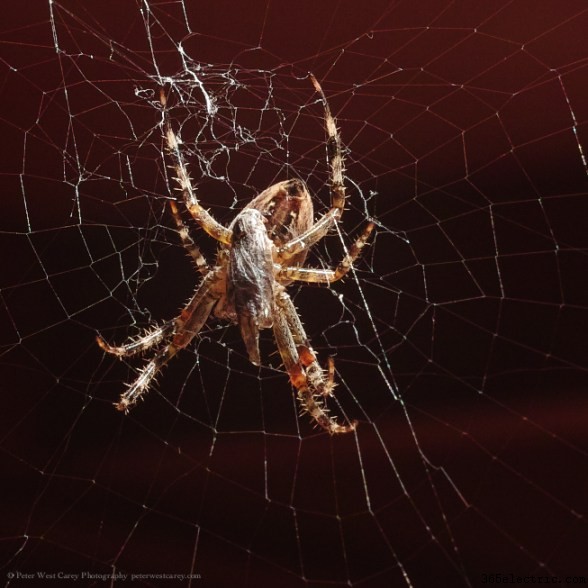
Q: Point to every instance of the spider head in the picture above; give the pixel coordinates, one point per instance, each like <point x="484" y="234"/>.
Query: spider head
<point x="287" y="209"/>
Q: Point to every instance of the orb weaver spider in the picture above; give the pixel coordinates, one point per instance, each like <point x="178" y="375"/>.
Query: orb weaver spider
<point x="261" y="252"/>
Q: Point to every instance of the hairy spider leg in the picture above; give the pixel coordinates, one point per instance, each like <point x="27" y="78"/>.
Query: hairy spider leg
<point x="185" y="327"/>
<point x="335" y="153"/>
<point x="150" y="338"/>
<point x="187" y="241"/>
<point x="328" y="276"/>
<point x="311" y="236"/>
<point x="200" y="215"/>
<point x="334" y="148"/>
<point x="307" y="357"/>
<point x="300" y="362"/>
<point x="336" y="162"/>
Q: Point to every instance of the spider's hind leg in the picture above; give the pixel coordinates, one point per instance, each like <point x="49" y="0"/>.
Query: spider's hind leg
<point x="151" y="369"/>
<point x="303" y="368"/>
<point x="140" y="344"/>
<point x="146" y="375"/>
<point x="308" y="359"/>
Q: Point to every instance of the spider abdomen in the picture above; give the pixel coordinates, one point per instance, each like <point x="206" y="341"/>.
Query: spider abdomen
<point x="250" y="276"/>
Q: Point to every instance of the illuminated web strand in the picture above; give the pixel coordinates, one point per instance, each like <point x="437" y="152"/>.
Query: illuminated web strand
<point x="575" y="125"/>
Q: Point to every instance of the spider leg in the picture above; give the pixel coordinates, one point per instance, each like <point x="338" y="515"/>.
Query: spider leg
<point x="189" y="245"/>
<point x="305" y="351"/>
<point x="200" y="215"/>
<point x="311" y="236"/>
<point x="300" y="362"/>
<point x="185" y="328"/>
<point x="335" y="151"/>
<point x="129" y="398"/>
<point x="328" y="276"/>
<point x="336" y="162"/>
<point x="139" y="345"/>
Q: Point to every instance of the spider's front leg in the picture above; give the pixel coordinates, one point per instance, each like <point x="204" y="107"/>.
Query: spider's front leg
<point x="302" y="366"/>
<point x="200" y="214"/>
<point x="189" y="245"/>
<point x="335" y="153"/>
<point x="321" y="227"/>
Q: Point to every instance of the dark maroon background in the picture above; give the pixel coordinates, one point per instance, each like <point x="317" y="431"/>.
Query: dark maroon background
<point x="459" y="116"/>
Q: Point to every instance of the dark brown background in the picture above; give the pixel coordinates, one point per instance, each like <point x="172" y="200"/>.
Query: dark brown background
<point x="459" y="117"/>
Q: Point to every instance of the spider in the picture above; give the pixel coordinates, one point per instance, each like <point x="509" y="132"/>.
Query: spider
<point x="261" y="252"/>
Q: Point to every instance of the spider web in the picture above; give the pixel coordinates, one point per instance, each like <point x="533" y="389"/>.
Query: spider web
<point x="459" y="339"/>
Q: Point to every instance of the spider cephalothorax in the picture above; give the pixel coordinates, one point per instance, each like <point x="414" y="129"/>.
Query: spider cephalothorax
<point x="288" y="208"/>
<point x="261" y="252"/>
